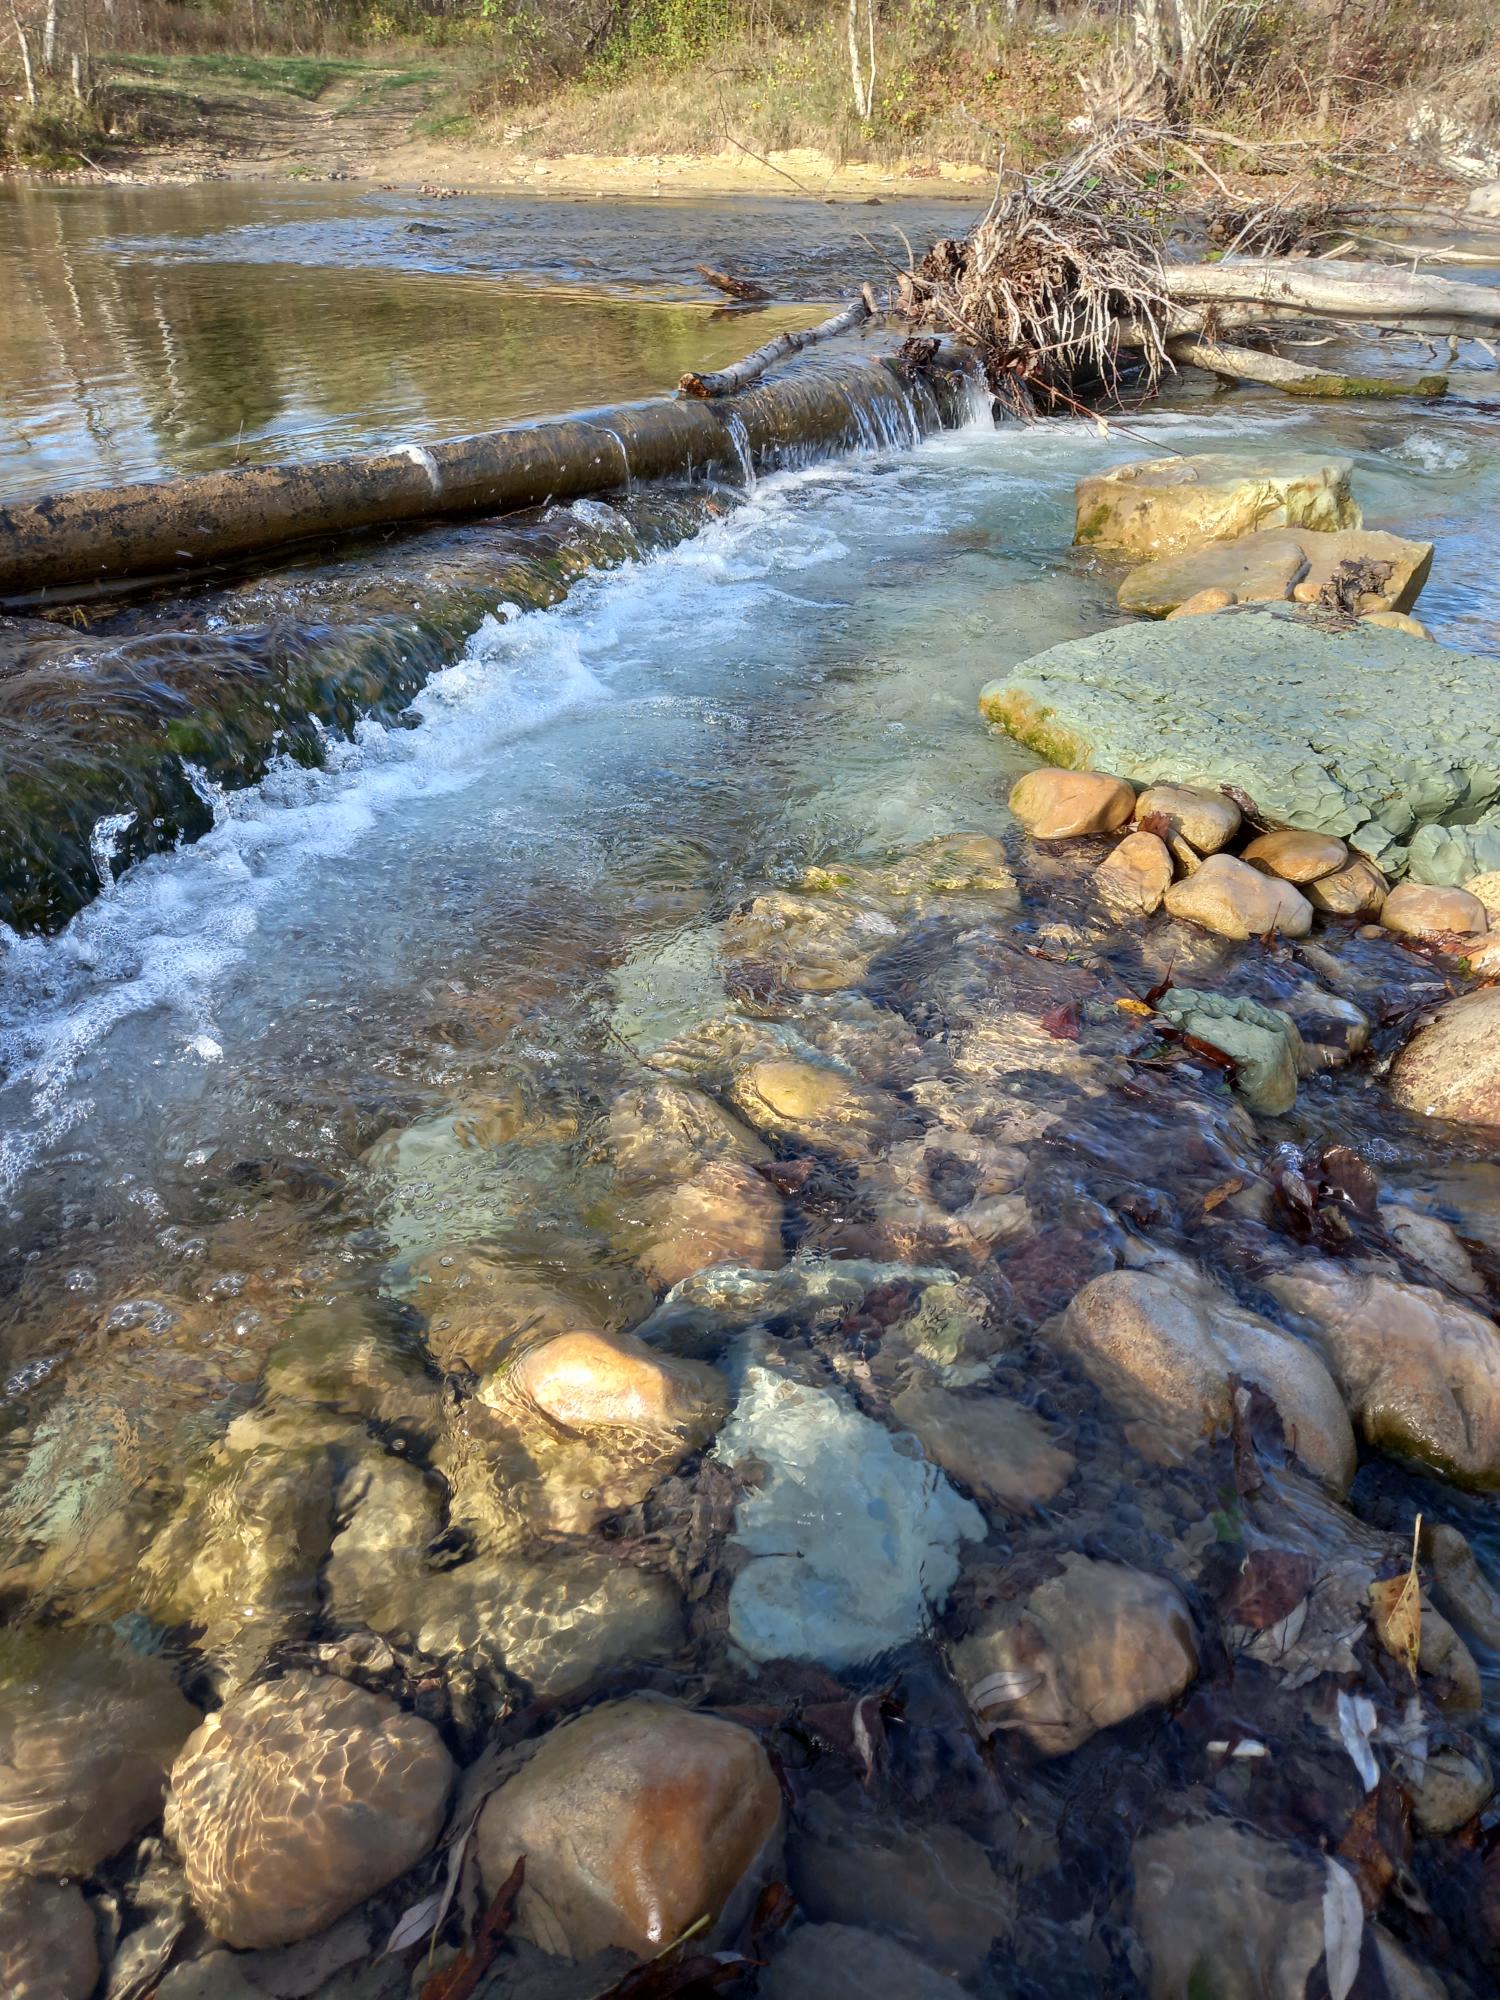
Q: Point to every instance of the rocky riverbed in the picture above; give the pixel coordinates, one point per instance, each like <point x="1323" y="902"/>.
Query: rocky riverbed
<point x="965" y="1467"/>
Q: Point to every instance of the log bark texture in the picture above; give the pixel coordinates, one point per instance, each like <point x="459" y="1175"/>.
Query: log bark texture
<point x="161" y="528"/>
<point x="1250" y="364"/>
<point x="740" y="374"/>
<point x="1369" y="294"/>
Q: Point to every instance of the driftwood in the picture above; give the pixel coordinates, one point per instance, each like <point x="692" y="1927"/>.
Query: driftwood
<point x="1365" y="294"/>
<point x="163" y="527"/>
<point x="740" y="374"/>
<point x="744" y="289"/>
<point x="1274" y="371"/>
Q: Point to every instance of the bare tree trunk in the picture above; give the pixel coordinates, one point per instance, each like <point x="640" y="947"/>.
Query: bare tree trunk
<point x="740" y="374"/>
<point x="864" y="85"/>
<point x="28" y="74"/>
<point x="49" y="38"/>
<point x="1274" y="371"/>
<point x="1328" y="288"/>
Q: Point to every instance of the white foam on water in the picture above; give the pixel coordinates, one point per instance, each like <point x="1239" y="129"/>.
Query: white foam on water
<point x="164" y="940"/>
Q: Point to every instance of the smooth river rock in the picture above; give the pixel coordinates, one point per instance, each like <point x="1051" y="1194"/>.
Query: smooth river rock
<point x="1358" y="889"/>
<point x="1165" y="1347"/>
<point x="1136" y="876"/>
<point x="637" y="1821"/>
<point x="1206" y="820"/>
<point x="840" y="1962"/>
<point x="1416" y="910"/>
<point x="1294" y="856"/>
<point x="1001" y="1451"/>
<point x="1451" y="1068"/>
<point x="1237" y="901"/>
<point x="1388" y="743"/>
<point x="1222" y="1911"/>
<point x="1154" y="506"/>
<point x="298" y="1799"/>
<point x="48" y="1949"/>
<point x="1060" y="805"/>
<point x="88" y="1731"/>
<point x="1085" y="1649"/>
<point x="1419" y="1370"/>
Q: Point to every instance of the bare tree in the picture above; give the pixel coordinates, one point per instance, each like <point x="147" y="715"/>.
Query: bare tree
<point x="862" y="63"/>
<point x="28" y="72"/>
<point x="1197" y="46"/>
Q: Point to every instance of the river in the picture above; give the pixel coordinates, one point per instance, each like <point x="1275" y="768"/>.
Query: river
<point x="360" y="1043"/>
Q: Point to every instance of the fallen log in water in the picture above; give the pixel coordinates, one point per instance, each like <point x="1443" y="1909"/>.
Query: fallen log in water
<point x="740" y="374"/>
<point x="1366" y="294"/>
<point x="163" y="527"/>
<point x="1274" y="371"/>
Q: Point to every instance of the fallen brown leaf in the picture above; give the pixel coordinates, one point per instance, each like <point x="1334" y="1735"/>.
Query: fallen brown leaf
<point x="1396" y="1610"/>
<point x="1221" y="1193"/>
<point x="1062" y="1021"/>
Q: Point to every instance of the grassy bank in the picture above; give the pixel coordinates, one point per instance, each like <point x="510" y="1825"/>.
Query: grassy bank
<point x="928" y="82"/>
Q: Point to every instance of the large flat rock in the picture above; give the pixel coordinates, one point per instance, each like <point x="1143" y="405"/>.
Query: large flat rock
<point x="1262" y="568"/>
<point x="1154" y="506"/>
<point x="1385" y="740"/>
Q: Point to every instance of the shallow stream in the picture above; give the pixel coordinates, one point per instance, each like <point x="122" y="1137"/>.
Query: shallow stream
<point x="342" y="1078"/>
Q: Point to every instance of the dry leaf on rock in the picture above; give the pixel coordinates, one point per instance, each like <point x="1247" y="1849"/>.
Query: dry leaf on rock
<point x="1396" y="1610"/>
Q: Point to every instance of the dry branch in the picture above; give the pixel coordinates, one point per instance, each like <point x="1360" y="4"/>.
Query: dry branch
<point x="744" y="289"/>
<point x="740" y="374"/>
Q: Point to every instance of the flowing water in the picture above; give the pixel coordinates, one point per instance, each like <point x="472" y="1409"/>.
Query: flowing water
<point x="348" y="1065"/>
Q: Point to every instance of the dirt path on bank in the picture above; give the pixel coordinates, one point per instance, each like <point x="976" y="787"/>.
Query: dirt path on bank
<point x="239" y="119"/>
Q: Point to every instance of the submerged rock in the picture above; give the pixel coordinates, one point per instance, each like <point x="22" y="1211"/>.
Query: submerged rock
<point x="1451" y="1068"/>
<point x="1060" y="805"/>
<point x="1376" y="738"/>
<point x="1165" y="1346"/>
<point x="1154" y="506"/>
<point x="1091" y="1645"/>
<point x="817" y="1104"/>
<point x="691" y="1196"/>
<point x="931" y="1886"/>
<point x="48" y="1950"/>
<point x="848" y="1538"/>
<point x="1001" y="1451"/>
<point x="1222" y="1911"/>
<point x="573" y="1429"/>
<point x="88" y="1731"/>
<point x="639" y="1822"/>
<point x="1262" y="1041"/>
<point x="1237" y="901"/>
<point x="839" y="1962"/>
<point x="1419" y="1371"/>
<point x="297" y="1800"/>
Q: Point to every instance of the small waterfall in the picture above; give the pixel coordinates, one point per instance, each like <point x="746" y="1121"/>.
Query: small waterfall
<point x="739" y="441"/>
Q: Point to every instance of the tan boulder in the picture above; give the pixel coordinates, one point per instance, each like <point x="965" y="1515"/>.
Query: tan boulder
<point x="1082" y="1650"/>
<point x="1416" y="909"/>
<point x="88" y="1731"/>
<point x="1486" y="888"/>
<point x="1419" y="1371"/>
<point x="1451" y="1068"/>
<point x="664" y="1132"/>
<point x="1165" y="1347"/>
<point x="1396" y="621"/>
<point x="1136" y="876"/>
<point x="640" y="1821"/>
<point x="1155" y="506"/>
<point x="1358" y="889"/>
<point x="1237" y="901"/>
<point x="1206" y="820"/>
<point x="1204" y="602"/>
<point x="298" y="1799"/>
<point x="1001" y="1451"/>
<point x="1482" y="957"/>
<point x="1060" y="805"/>
<point x="1253" y="569"/>
<point x="48" y="1950"/>
<point x="1294" y="856"/>
<point x="1407" y="565"/>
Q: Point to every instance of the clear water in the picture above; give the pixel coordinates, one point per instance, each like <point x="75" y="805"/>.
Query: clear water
<point x="522" y="894"/>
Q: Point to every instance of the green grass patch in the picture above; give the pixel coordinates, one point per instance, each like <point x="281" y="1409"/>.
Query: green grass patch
<point x="306" y="77"/>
